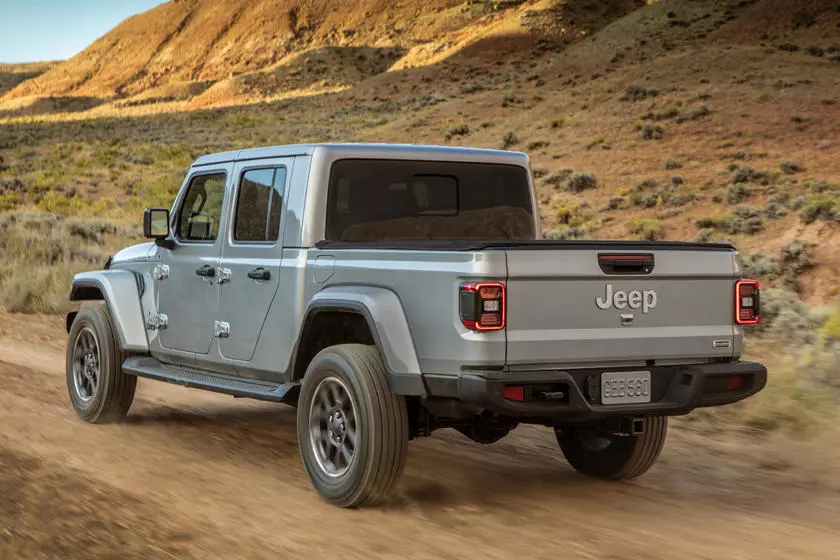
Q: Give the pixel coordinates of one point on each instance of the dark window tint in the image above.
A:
(201, 210)
(259, 204)
(387, 200)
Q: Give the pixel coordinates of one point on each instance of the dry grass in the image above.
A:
(41, 252)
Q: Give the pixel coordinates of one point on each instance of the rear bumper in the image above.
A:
(675, 390)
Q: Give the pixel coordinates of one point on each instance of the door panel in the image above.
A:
(189, 295)
(252, 254)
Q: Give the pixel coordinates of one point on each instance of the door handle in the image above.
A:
(259, 273)
(206, 271)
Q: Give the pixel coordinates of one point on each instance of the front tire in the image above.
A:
(99, 390)
(613, 457)
(352, 431)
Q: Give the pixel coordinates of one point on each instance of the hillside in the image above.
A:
(181, 48)
(13, 74)
(710, 119)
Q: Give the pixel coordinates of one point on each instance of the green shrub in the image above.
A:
(775, 210)
(509, 139)
(559, 178)
(644, 228)
(737, 193)
(567, 233)
(757, 264)
(653, 132)
(615, 203)
(820, 207)
(538, 144)
(743, 219)
(672, 163)
(822, 186)
(694, 114)
(746, 174)
(791, 168)
(580, 182)
(539, 172)
(458, 130)
(795, 257)
(570, 215)
(784, 314)
(638, 93)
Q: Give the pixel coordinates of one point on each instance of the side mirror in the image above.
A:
(156, 223)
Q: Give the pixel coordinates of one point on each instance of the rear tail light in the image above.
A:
(746, 302)
(482, 305)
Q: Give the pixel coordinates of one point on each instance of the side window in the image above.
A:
(259, 204)
(201, 210)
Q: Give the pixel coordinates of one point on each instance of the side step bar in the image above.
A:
(145, 366)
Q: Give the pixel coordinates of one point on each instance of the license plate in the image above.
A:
(625, 387)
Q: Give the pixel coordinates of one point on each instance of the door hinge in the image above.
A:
(223, 275)
(157, 322)
(221, 329)
(160, 272)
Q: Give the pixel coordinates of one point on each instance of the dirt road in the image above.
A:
(196, 475)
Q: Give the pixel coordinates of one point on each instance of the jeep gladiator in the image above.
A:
(388, 291)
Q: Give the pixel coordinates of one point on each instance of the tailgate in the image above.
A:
(593, 306)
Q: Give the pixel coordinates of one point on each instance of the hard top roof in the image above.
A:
(369, 150)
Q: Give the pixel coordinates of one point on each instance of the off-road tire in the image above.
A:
(623, 458)
(114, 391)
(381, 423)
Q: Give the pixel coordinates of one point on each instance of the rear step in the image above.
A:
(144, 366)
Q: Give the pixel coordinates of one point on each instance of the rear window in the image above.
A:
(391, 200)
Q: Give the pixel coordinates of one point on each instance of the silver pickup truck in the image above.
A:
(388, 291)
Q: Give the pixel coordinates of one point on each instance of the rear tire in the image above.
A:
(352, 431)
(616, 457)
(99, 390)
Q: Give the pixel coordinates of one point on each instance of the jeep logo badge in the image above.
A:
(646, 299)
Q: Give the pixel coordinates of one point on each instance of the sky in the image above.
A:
(34, 30)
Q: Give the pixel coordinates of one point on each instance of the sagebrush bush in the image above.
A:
(672, 163)
(567, 233)
(758, 264)
(653, 132)
(579, 182)
(559, 178)
(790, 168)
(615, 203)
(783, 313)
(737, 193)
(775, 210)
(820, 207)
(746, 174)
(743, 219)
(458, 130)
(638, 93)
(509, 139)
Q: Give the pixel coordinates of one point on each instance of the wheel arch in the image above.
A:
(374, 316)
(120, 291)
